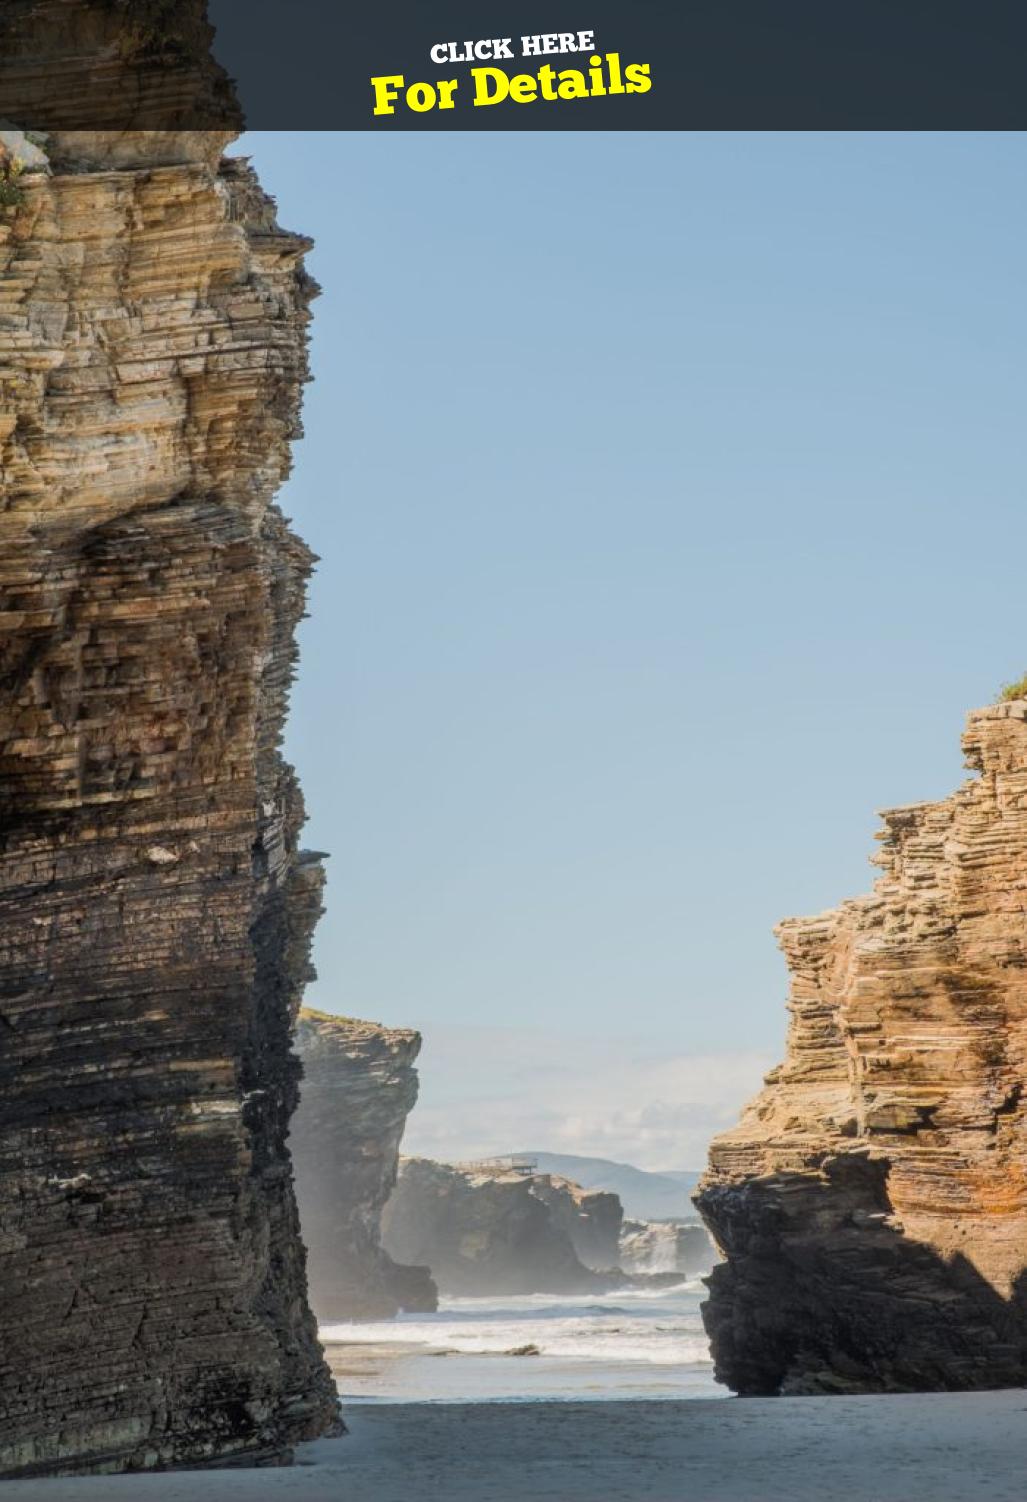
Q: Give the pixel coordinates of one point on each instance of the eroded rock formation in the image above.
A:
(872, 1204)
(666, 1247)
(154, 908)
(483, 1232)
(591, 1218)
(359, 1085)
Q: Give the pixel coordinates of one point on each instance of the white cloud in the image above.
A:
(492, 1090)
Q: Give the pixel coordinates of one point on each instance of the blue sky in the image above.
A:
(669, 495)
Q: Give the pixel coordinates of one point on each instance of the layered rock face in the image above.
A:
(115, 66)
(482, 1233)
(359, 1086)
(872, 1204)
(155, 911)
(591, 1218)
(666, 1247)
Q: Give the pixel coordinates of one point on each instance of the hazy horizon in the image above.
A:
(617, 1098)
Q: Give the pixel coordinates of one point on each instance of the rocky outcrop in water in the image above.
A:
(666, 1247)
(872, 1204)
(591, 1218)
(485, 1232)
(359, 1086)
(155, 908)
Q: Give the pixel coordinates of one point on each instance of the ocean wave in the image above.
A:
(657, 1331)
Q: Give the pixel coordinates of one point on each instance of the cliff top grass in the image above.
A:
(312, 1014)
(1015, 690)
(11, 192)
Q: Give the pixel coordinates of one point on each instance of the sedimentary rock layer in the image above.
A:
(154, 909)
(359, 1086)
(482, 1233)
(117, 66)
(872, 1204)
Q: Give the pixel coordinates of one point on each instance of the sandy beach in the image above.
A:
(950, 1447)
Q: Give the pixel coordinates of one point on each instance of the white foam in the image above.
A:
(659, 1328)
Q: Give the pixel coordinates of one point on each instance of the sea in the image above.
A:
(632, 1344)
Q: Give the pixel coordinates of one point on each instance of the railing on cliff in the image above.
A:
(514, 1163)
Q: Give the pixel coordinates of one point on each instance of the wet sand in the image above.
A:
(400, 1373)
(950, 1447)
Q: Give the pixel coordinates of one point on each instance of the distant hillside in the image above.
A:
(645, 1196)
(689, 1177)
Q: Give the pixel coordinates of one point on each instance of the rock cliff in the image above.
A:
(155, 909)
(591, 1218)
(116, 67)
(359, 1086)
(483, 1233)
(872, 1204)
(666, 1247)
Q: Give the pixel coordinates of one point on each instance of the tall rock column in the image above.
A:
(872, 1203)
(155, 911)
(359, 1086)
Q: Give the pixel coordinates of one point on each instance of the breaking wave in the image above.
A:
(661, 1328)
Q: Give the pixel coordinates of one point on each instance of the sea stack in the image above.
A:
(666, 1246)
(872, 1203)
(155, 906)
(483, 1229)
(359, 1086)
(592, 1218)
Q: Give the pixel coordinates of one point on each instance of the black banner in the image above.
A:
(546, 65)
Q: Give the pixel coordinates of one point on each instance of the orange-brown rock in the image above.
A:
(872, 1203)
(155, 910)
